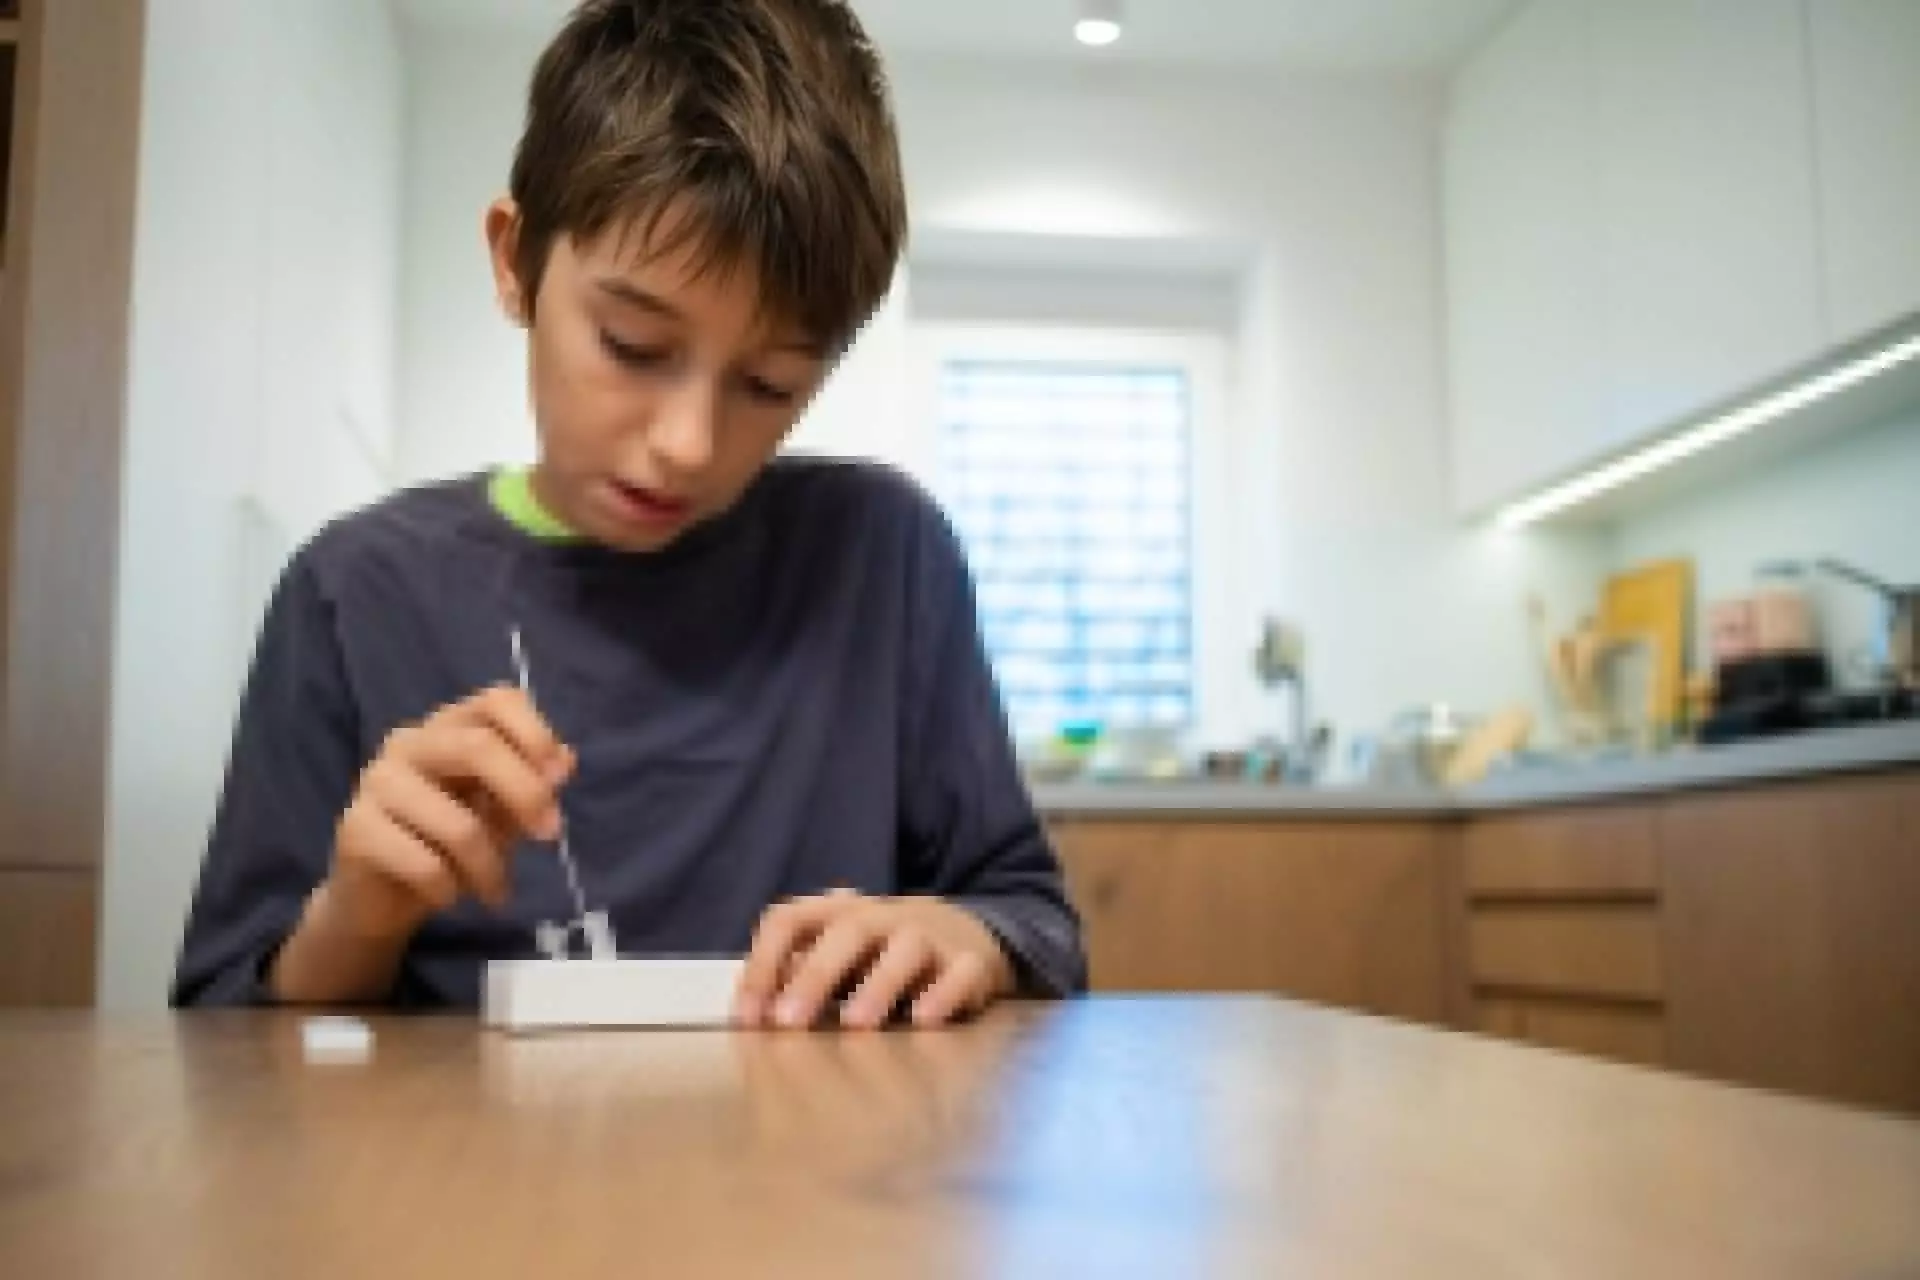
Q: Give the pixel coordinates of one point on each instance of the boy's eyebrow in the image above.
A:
(634, 295)
(639, 297)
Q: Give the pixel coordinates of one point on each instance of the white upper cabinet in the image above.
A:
(1706, 206)
(1655, 206)
(1520, 192)
(1866, 96)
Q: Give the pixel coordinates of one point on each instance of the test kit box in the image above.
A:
(536, 995)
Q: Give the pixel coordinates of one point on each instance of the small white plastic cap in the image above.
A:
(336, 1039)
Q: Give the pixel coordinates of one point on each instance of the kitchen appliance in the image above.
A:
(1902, 625)
(1765, 694)
(1782, 618)
(1733, 632)
(1781, 681)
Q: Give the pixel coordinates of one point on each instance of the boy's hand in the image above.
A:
(438, 811)
(809, 950)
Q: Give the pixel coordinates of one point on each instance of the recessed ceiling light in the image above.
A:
(1099, 22)
(1096, 31)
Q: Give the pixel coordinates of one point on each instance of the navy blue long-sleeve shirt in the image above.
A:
(791, 698)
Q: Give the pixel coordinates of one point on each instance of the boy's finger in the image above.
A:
(378, 845)
(478, 754)
(784, 930)
(904, 964)
(960, 989)
(512, 712)
(836, 957)
(501, 826)
(453, 829)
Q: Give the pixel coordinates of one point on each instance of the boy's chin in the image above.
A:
(638, 538)
(641, 541)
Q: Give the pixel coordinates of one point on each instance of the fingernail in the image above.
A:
(854, 1014)
(787, 1013)
(549, 828)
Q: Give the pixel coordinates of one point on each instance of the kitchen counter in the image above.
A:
(1803, 755)
(1209, 799)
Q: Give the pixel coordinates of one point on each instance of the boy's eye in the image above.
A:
(633, 357)
(766, 392)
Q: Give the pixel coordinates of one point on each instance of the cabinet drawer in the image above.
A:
(1598, 951)
(1590, 853)
(1623, 1034)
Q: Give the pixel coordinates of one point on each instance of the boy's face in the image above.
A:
(659, 393)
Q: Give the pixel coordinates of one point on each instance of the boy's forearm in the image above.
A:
(324, 961)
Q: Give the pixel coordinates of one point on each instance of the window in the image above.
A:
(1071, 485)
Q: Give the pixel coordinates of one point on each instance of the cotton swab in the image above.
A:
(594, 925)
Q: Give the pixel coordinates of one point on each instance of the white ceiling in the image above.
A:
(1327, 35)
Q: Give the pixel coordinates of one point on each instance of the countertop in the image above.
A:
(1186, 1136)
(1801, 755)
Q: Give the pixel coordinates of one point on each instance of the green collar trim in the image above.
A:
(511, 492)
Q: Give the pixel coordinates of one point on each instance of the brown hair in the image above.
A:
(766, 121)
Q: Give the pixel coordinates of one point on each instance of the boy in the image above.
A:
(762, 698)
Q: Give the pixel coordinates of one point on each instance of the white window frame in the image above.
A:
(1204, 358)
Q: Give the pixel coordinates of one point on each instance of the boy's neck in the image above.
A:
(511, 492)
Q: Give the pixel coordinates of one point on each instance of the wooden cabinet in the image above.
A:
(1767, 935)
(1563, 933)
(1792, 937)
(1624, 1033)
(1598, 952)
(1865, 56)
(1349, 914)
(1605, 852)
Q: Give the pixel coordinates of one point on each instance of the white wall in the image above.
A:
(1853, 499)
(260, 399)
(1330, 188)
(463, 386)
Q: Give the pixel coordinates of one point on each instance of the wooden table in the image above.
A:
(1156, 1137)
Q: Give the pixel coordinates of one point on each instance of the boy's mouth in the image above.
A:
(650, 508)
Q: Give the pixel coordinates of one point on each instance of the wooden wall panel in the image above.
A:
(47, 928)
(64, 318)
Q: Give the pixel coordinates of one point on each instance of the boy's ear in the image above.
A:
(503, 246)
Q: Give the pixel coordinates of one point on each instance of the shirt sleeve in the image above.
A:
(971, 833)
(293, 768)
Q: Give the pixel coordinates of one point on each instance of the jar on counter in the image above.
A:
(1782, 615)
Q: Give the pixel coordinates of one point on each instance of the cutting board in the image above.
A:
(1653, 603)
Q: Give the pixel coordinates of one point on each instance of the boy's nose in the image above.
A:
(682, 435)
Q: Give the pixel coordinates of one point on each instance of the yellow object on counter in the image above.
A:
(1652, 604)
(1494, 739)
